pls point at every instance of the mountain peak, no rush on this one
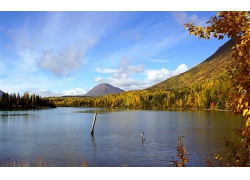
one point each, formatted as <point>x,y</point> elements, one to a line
<point>1,93</point>
<point>103,89</point>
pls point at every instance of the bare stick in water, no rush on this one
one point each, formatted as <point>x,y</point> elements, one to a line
<point>142,136</point>
<point>93,124</point>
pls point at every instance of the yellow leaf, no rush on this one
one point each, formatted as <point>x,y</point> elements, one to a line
<point>245,111</point>
<point>191,32</point>
<point>246,104</point>
<point>248,122</point>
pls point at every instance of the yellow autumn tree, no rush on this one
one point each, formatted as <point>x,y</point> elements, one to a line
<point>236,26</point>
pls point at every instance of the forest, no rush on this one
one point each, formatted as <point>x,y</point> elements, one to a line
<point>13,101</point>
<point>210,94</point>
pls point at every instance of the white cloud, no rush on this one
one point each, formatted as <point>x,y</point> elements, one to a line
<point>181,68</point>
<point>70,58</point>
<point>182,18</point>
<point>98,79</point>
<point>157,75</point>
<point>122,81</point>
<point>106,70</point>
<point>44,93</point>
<point>48,93</point>
<point>20,39</point>
<point>122,77</point>
<point>125,68</point>
<point>136,69</point>
<point>76,91</point>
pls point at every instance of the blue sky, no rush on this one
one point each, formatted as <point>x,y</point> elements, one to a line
<point>68,53</point>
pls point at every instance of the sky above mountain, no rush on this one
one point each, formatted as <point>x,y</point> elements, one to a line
<point>54,53</point>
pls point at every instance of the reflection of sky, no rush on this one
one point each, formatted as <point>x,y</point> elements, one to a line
<point>62,136</point>
<point>99,111</point>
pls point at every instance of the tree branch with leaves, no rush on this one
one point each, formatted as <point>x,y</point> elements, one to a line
<point>236,26</point>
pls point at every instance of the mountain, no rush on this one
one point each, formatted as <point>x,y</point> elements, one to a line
<point>103,89</point>
<point>1,93</point>
<point>213,67</point>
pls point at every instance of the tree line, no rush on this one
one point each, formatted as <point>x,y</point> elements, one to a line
<point>210,94</point>
<point>12,101</point>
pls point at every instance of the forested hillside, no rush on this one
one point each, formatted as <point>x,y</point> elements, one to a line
<point>212,68</point>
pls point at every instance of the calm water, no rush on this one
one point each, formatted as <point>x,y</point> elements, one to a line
<point>61,136</point>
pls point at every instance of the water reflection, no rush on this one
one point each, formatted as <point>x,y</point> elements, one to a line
<point>6,115</point>
<point>99,111</point>
<point>93,144</point>
<point>142,137</point>
<point>62,136</point>
<point>142,141</point>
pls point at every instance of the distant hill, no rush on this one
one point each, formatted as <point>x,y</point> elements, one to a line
<point>1,93</point>
<point>103,89</point>
<point>213,67</point>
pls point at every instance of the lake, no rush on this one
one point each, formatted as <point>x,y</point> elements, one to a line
<point>61,136</point>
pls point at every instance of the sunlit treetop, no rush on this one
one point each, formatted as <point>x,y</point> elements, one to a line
<point>234,24</point>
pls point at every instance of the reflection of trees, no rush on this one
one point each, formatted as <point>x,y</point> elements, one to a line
<point>93,144</point>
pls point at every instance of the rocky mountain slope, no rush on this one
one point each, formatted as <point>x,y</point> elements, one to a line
<point>213,67</point>
<point>103,89</point>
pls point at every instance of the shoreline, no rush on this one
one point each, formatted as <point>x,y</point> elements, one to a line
<point>154,109</point>
<point>24,108</point>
